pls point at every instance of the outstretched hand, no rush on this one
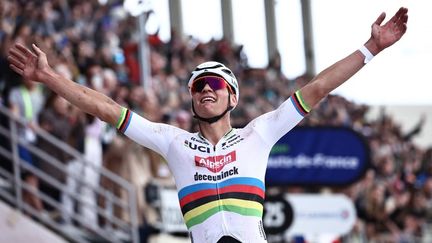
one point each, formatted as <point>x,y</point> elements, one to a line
<point>27,63</point>
<point>386,35</point>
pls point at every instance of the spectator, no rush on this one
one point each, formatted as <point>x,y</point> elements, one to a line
<point>26,101</point>
<point>65,123</point>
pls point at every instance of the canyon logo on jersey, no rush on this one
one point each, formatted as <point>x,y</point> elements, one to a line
<point>215,163</point>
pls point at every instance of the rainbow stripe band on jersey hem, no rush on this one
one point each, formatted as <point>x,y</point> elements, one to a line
<point>229,205</point>
<point>241,195</point>
<point>301,106</point>
<point>124,120</point>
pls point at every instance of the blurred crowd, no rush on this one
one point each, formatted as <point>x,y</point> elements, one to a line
<point>97,46</point>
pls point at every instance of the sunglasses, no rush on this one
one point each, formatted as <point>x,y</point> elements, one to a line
<point>214,82</point>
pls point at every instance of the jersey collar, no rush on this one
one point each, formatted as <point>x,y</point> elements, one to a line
<point>224,136</point>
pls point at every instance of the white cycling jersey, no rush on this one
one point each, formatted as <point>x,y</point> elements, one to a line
<point>220,187</point>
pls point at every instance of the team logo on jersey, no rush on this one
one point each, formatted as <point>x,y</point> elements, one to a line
<point>195,146</point>
<point>216,177</point>
<point>231,141</point>
<point>199,141</point>
<point>215,163</point>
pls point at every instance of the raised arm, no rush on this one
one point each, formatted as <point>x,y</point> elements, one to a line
<point>33,65</point>
<point>382,36</point>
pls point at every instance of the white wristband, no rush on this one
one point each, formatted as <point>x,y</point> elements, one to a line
<point>368,55</point>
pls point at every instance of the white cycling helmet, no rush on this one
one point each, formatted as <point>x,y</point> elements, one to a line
<point>218,69</point>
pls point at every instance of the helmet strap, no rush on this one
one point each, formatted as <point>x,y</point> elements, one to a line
<point>214,119</point>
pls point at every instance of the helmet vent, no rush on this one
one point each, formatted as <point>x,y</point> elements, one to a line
<point>211,67</point>
<point>227,71</point>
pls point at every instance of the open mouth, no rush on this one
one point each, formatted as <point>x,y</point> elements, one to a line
<point>208,99</point>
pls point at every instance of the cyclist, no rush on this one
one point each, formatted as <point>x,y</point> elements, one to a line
<point>219,171</point>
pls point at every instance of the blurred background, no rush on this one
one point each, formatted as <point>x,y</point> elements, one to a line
<point>68,177</point>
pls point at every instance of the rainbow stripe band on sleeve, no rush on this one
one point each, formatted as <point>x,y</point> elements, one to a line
<point>124,120</point>
<point>300,104</point>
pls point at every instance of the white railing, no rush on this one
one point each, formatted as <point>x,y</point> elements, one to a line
<point>13,195</point>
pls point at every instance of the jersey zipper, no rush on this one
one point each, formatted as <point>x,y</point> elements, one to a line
<point>222,213</point>
<point>215,150</point>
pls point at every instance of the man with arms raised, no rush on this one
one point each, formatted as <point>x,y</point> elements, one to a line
<point>219,171</point>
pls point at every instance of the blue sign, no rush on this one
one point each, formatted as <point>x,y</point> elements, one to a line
<point>330,156</point>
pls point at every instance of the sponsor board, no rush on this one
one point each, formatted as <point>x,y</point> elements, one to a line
<point>321,214</point>
<point>171,216</point>
<point>330,156</point>
<point>308,214</point>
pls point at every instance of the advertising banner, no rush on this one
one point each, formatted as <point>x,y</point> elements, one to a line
<point>330,156</point>
<point>171,216</point>
<point>292,215</point>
